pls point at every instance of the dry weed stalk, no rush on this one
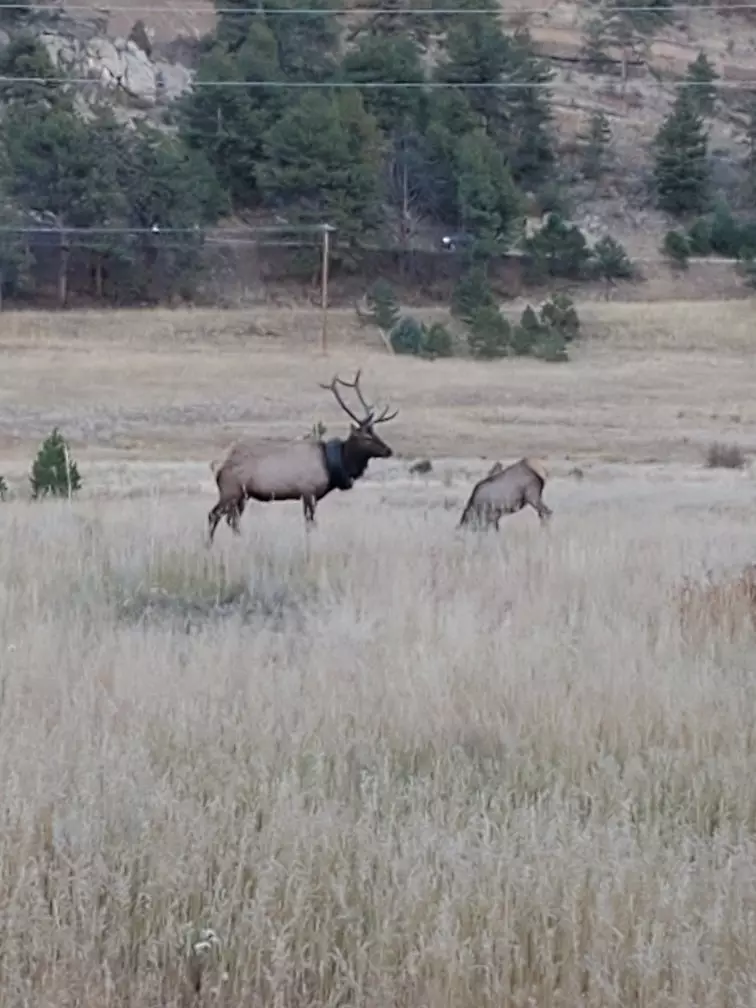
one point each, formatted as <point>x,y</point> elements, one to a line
<point>722,607</point>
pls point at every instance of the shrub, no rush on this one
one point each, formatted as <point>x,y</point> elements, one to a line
<point>551,347</point>
<point>725,456</point>
<point>471,292</point>
<point>528,333</point>
<point>559,313</point>
<point>490,334</point>
<point>558,249</point>
<point>676,248</point>
<point>611,261</point>
<point>437,341</point>
<point>383,306</point>
<point>408,336</point>
<point>3,489</point>
<point>53,472</point>
<point>699,237</point>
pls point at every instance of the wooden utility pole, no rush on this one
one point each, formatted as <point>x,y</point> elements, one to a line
<point>324,266</point>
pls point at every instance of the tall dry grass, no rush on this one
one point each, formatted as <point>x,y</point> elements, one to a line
<point>396,767</point>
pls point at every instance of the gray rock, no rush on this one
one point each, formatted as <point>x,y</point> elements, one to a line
<point>174,79</point>
<point>118,63</point>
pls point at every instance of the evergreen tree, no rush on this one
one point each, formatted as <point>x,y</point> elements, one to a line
<point>595,45</point>
<point>308,43</point>
<point>323,159</point>
<point>391,21</point>
<point>450,116</point>
<point>595,145</point>
<point>749,161</point>
<point>59,167</point>
<point>26,60</point>
<point>476,49</point>
<point>490,206</point>
<point>228,124</point>
<point>383,57</point>
<point>54,473</point>
<point>558,249</point>
<point>531,142</point>
<point>681,169</point>
<point>166,186</point>
<point>701,74</point>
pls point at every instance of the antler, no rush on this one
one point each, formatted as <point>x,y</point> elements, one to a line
<point>384,416</point>
<point>369,418</point>
<point>333,387</point>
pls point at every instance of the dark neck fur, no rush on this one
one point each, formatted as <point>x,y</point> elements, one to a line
<point>355,459</point>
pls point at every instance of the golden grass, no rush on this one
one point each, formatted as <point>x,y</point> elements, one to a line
<point>394,767</point>
<point>388,764</point>
<point>648,383</point>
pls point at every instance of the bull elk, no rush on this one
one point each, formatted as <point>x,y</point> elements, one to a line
<point>505,491</point>
<point>302,470</point>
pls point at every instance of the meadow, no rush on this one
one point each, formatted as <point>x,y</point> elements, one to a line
<point>386,764</point>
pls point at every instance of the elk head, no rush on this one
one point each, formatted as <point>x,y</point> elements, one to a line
<point>363,439</point>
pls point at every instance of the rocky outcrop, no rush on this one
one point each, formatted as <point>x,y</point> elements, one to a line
<point>81,50</point>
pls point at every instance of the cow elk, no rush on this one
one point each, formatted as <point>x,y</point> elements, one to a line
<point>302,470</point>
<point>504,491</point>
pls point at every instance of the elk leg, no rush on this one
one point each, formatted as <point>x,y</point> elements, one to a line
<point>233,515</point>
<point>213,519</point>
<point>534,499</point>
<point>308,506</point>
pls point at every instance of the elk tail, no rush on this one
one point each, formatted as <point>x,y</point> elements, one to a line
<point>538,468</point>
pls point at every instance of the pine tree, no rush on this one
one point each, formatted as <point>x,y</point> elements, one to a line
<point>611,261</point>
<point>307,44</point>
<point>749,161</point>
<point>54,473</point>
<point>169,186</point>
<point>26,63</point>
<point>681,169</point>
<point>323,159</point>
<point>595,44</point>
<point>476,49</point>
<point>532,144</point>
<point>701,74</point>
<point>596,142</point>
<point>490,205</point>
<point>383,57</point>
<point>228,124</point>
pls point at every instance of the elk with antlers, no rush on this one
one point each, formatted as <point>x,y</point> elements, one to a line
<point>302,470</point>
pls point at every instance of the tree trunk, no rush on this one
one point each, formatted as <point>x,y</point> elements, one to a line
<point>98,276</point>
<point>65,255</point>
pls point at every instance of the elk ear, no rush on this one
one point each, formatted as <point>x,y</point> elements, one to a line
<point>353,429</point>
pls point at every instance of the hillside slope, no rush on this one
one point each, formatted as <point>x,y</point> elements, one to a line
<point>634,106</point>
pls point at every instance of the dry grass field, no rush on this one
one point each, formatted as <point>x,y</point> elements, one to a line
<point>389,765</point>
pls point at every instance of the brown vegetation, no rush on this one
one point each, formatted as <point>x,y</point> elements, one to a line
<point>723,606</point>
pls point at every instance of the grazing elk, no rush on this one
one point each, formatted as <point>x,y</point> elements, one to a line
<point>302,470</point>
<point>506,491</point>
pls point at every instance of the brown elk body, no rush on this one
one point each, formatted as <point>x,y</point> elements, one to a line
<point>504,491</point>
<point>302,470</point>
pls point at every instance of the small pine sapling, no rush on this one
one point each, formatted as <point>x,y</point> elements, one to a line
<point>54,473</point>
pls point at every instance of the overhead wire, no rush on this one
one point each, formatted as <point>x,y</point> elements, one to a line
<point>349,11</point>
<point>370,85</point>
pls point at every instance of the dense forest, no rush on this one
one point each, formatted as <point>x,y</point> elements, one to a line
<point>312,136</point>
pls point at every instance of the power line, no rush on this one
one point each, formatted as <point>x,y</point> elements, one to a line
<point>341,11</point>
<point>156,229</point>
<point>370,85</point>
